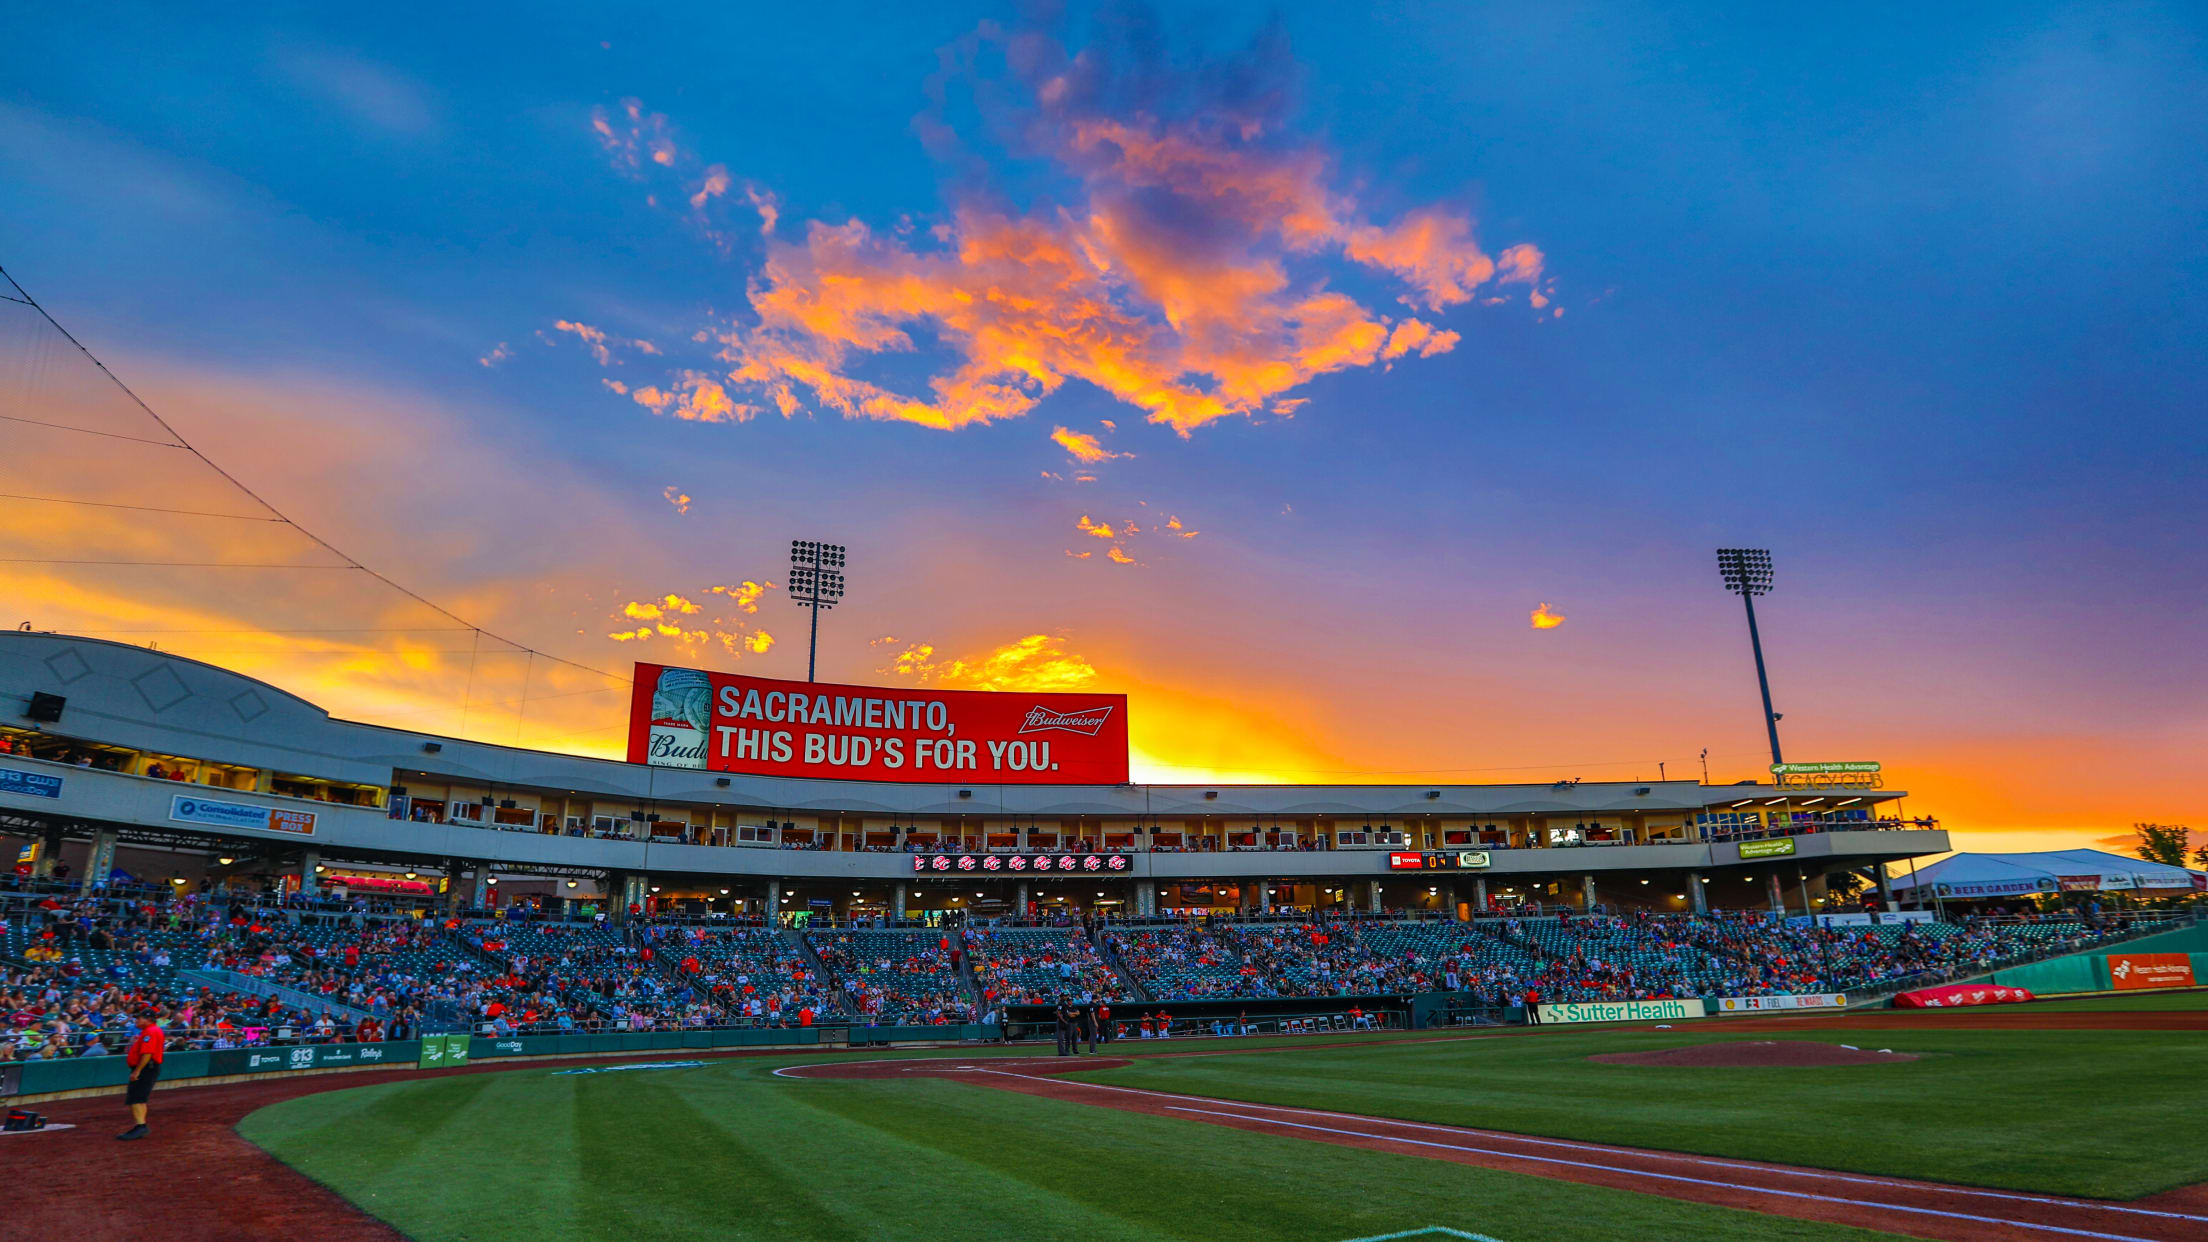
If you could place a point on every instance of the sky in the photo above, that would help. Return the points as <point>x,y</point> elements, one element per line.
<point>1362,389</point>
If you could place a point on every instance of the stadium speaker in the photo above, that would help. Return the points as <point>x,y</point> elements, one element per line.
<point>46,708</point>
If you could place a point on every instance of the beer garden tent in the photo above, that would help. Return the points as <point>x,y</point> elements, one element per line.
<point>1965,876</point>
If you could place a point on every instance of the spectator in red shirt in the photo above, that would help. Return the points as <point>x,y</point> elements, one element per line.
<point>144,1057</point>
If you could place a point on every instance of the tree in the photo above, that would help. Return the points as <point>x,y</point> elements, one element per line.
<point>2200,858</point>
<point>2163,843</point>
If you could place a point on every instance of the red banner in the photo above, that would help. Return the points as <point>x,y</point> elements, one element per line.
<point>1019,864</point>
<point>725,722</point>
<point>2150,970</point>
<point>1957,996</point>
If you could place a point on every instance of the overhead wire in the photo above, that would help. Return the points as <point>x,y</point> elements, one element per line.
<point>180,441</point>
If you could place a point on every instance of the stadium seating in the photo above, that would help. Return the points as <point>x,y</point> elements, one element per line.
<point>1178,963</point>
<point>896,978</point>
<point>1037,965</point>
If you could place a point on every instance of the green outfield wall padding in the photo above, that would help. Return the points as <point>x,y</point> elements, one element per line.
<point>2080,972</point>
<point>2192,939</point>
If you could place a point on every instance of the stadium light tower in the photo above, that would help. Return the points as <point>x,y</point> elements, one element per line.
<point>816,581</point>
<point>1747,573</point>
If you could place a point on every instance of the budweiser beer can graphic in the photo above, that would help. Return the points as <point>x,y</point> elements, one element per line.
<point>682,705</point>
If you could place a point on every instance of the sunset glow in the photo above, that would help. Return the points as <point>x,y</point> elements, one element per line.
<point>1258,369</point>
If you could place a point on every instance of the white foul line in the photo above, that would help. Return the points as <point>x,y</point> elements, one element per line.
<point>1671,1177</point>
<point>1633,1152</point>
<point>1427,1232</point>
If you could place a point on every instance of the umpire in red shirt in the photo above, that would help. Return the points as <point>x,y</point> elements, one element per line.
<point>144,1057</point>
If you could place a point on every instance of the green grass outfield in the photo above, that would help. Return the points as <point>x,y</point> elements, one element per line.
<point>727,1151</point>
<point>2094,1113</point>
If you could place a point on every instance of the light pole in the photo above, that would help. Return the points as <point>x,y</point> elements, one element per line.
<point>1747,573</point>
<point>816,580</point>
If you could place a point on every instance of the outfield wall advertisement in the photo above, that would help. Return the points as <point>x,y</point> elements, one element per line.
<point>1623,1011</point>
<point>1765,1004</point>
<point>2150,970</point>
<point>725,722</point>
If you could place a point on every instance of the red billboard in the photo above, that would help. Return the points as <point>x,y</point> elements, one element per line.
<point>727,722</point>
<point>2150,970</point>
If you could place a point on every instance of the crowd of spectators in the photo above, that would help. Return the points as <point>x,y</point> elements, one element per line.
<point>899,978</point>
<point>1036,967</point>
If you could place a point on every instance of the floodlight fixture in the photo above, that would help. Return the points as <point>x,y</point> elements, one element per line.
<point>1747,573</point>
<point>816,582</point>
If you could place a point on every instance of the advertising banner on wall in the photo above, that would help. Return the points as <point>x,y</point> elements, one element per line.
<point>1765,1004</point>
<point>29,784</point>
<point>1020,864</point>
<point>1767,849</point>
<point>191,809</point>
<point>726,722</point>
<point>2150,970</point>
<point>1623,1011</point>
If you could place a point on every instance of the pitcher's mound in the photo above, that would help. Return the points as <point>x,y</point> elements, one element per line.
<point>1757,1054</point>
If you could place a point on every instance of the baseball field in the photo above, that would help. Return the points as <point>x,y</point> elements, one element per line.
<point>2060,1120</point>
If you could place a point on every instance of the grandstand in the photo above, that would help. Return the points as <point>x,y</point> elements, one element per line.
<point>896,977</point>
<point>1038,965</point>
<point>194,839</point>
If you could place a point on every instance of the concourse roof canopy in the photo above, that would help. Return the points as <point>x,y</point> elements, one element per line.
<point>2047,871</point>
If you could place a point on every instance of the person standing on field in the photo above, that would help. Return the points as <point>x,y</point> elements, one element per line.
<point>144,1056</point>
<point>1064,1017</point>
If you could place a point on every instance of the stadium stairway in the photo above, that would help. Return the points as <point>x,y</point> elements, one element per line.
<point>831,986</point>
<point>232,981</point>
<point>966,975</point>
<point>1110,957</point>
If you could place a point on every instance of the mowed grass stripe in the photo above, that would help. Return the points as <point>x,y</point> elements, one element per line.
<point>2089,1113</point>
<point>510,1138</point>
<point>730,1152</point>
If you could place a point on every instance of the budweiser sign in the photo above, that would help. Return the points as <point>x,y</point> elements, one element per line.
<point>728,722</point>
<point>1087,722</point>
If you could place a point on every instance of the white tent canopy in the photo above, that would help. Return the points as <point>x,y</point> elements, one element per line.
<point>2049,871</point>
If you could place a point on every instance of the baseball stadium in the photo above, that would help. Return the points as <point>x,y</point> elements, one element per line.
<point>423,986</point>
<point>1092,620</point>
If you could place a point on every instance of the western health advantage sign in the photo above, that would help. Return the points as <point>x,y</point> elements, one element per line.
<point>726,722</point>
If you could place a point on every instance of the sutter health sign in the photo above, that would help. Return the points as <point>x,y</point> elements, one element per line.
<point>724,722</point>
<point>1623,1011</point>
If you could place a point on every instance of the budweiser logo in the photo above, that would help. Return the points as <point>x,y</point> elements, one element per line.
<point>1042,719</point>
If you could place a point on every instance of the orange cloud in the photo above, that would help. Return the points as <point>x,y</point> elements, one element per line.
<point>716,183</point>
<point>696,398</point>
<point>1119,555</point>
<point>1174,278</point>
<point>632,136</point>
<point>1415,335</point>
<point>1035,662</point>
<point>1543,619</point>
<point>745,595</point>
<point>1083,447</point>
<point>498,354</point>
<point>1174,524</point>
<point>1101,530</point>
<point>668,618</point>
<point>676,497</point>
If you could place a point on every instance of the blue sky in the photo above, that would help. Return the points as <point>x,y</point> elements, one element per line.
<point>1912,295</point>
